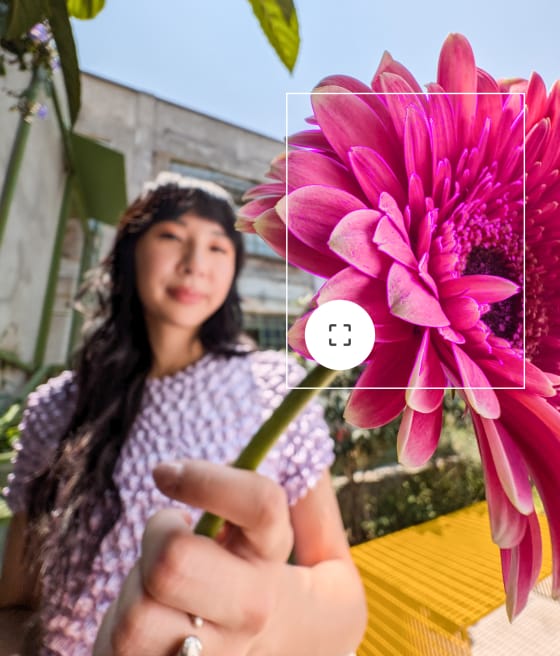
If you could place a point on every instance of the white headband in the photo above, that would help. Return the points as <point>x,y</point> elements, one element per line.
<point>170,178</point>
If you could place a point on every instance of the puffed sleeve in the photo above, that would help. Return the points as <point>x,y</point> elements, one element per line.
<point>305,450</point>
<point>46,416</point>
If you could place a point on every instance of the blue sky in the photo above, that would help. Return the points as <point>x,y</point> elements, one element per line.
<point>211,55</point>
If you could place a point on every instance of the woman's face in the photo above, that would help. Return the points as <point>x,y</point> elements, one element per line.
<point>184,270</point>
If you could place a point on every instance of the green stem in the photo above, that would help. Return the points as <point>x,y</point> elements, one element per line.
<point>13,360</point>
<point>50,291</point>
<point>252,455</point>
<point>16,156</point>
<point>90,232</point>
<point>64,129</point>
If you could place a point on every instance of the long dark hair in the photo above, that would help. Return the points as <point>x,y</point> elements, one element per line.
<point>111,368</point>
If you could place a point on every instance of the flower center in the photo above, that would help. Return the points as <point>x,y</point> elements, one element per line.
<point>505,318</point>
<point>488,240</point>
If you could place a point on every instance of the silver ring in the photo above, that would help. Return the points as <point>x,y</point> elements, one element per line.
<point>191,647</point>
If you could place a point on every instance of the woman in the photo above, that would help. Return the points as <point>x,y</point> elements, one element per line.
<point>164,377</point>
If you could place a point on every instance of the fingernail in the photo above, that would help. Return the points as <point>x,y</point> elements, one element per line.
<point>166,474</point>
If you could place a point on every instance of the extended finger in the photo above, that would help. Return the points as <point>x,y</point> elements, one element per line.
<point>246,499</point>
<point>198,576</point>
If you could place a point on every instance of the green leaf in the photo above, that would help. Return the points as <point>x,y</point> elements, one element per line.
<point>279,22</point>
<point>84,9</point>
<point>62,33</point>
<point>23,15</point>
<point>10,416</point>
<point>287,7</point>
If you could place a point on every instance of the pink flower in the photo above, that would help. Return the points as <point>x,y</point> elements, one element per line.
<point>411,205</point>
<point>40,33</point>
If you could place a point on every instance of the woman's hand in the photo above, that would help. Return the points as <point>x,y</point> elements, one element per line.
<point>231,582</point>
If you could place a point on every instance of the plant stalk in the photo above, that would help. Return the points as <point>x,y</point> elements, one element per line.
<point>267,435</point>
<point>16,156</point>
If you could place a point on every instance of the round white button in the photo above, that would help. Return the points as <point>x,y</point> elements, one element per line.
<point>339,335</point>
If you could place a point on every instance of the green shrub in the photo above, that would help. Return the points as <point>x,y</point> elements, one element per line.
<point>393,498</point>
<point>9,431</point>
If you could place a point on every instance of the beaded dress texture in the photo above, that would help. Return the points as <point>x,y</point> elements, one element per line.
<point>207,411</point>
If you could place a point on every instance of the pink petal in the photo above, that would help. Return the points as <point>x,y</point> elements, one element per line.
<point>389,240</point>
<point>478,335</point>
<point>389,65</point>
<point>345,82</point>
<point>536,140</point>
<point>451,335</point>
<point>442,190</point>
<point>521,566</point>
<point>278,168</point>
<point>489,108</point>
<point>416,196</point>
<point>417,148</point>
<point>418,436</point>
<point>348,121</point>
<point>506,523</point>
<point>352,240</point>
<point>245,225</point>
<point>273,231</point>
<point>371,294</point>
<point>484,289</point>
<point>399,98</point>
<point>513,85</point>
<point>258,206</point>
<point>390,367</point>
<point>276,189</point>
<point>477,387</point>
<point>425,275</point>
<point>463,311</point>
<point>314,139</point>
<point>362,90</point>
<point>427,373</point>
<point>296,336</point>
<point>443,130</point>
<point>526,416</point>
<point>457,73</point>
<point>510,466</point>
<point>388,204</point>
<point>506,370</point>
<point>426,227</point>
<point>442,264</point>
<point>510,130</point>
<point>535,100</point>
<point>308,168</point>
<point>314,211</point>
<point>375,175</point>
<point>409,299</point>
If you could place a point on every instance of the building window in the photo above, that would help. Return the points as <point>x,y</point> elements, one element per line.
<point>255,245</point>
<point>268,330</point>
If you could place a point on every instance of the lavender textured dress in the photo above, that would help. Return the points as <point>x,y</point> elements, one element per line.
<point>207,411</point>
